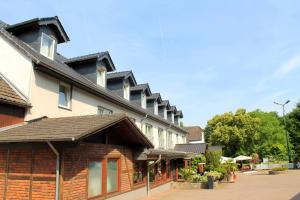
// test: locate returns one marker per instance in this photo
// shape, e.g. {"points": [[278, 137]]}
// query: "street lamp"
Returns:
{"points": [[286, 133]]}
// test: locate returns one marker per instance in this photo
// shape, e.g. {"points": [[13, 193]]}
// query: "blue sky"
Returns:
{"points": [[206, 57]]}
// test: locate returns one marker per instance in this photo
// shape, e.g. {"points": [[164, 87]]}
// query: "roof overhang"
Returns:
{"points": [[53, 22], [153, 154], [96, 57], [73, 129], [141, 88]]}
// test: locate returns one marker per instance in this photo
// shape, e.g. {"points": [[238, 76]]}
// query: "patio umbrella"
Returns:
{"points": [[241, 158]]}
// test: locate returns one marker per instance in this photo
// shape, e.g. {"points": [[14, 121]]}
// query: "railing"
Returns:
{"points": [[271, 166]]}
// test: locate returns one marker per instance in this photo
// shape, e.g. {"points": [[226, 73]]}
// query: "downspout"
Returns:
{"points": [[57, 170], [148, 174]]}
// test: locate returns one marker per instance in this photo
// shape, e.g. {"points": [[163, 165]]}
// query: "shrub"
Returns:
{"points": [[208, 168], [213, 158], [186, 173], [198, 159], [223, 171], [197, 178], [279, 169], [216, 175]]}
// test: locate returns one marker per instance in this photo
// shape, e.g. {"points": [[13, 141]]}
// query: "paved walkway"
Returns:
{"points": [[258, 186]]}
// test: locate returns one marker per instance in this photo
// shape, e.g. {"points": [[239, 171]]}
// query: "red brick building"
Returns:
{"points": [[77, 157]]}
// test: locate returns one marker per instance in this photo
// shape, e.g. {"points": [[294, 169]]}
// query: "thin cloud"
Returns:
{"points": [[287, 67], [280, 73]]}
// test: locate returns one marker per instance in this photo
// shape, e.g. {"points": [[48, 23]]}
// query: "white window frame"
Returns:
{"points": [[155, 107], [161, 139], [52, 48], [143, 100], [101, 77], [69, 95], [149, 131], [127, 91], [169, 139]]}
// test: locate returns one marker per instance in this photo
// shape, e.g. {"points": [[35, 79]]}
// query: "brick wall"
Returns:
{"points": [[30, 173], [10, 115], [75, 173]]}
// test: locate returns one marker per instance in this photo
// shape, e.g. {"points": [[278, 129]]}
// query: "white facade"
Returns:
{"points": [[42, 91]]}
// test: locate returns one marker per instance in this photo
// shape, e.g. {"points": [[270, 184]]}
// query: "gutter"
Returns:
{"points": [[148, 173], [106, 95], [57, 170]]}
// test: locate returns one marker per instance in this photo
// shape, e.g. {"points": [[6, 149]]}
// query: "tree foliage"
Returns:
{"points": [[245, 133], [236, 132], [293, 127], [271, 136]]}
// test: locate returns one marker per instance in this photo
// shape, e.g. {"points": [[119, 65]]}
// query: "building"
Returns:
{"points": [[77, 108], [195, 135]]}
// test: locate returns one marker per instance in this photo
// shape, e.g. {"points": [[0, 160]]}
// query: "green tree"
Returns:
{"points": [[293, 127], [236, 132], [271, 135]]}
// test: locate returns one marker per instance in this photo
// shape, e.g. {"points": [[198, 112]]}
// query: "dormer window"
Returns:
{"points": [[155, 108], [165, 114], [101, 77], [127, 91], [144, 100], [47, 46]]}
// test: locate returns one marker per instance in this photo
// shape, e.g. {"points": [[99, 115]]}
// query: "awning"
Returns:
{"points": [[153, 154]]}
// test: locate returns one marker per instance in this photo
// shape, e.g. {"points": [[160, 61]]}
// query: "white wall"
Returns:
{"points": [[44, 98], [43, 90], [16, 67]]}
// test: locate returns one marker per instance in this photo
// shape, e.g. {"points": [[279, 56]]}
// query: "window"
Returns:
{"points": [[47, 46], [169, 140], [138, 174], [101, 77], [143, 100], [127, 91], [177, 139], [64, 95], [161, 138], [155, 107], [104, 111], [95, 178], [149, 132], [112, 175], [165, 113]]}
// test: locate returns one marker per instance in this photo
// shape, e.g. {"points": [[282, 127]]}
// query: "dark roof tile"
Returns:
{"points": [[194, 148], [67, 129]]}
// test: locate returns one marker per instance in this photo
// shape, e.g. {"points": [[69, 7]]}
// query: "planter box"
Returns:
{"points": [[192, 186], [271, 172]]}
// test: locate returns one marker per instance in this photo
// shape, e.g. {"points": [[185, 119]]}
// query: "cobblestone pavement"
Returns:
{"points": [[257, 186]]}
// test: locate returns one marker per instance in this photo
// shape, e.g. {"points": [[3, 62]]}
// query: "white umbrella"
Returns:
{"points": [[225, 159], [241, 158]]}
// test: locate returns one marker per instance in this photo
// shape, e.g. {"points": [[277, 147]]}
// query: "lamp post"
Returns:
{"points": [[286, 133]]}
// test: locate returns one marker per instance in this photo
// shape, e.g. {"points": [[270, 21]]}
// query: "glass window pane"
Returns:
{"points": [[95, 179], [47, 46], [62, 95], [112, 175]]}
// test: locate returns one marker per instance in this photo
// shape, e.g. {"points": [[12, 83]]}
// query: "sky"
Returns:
{"points": [[206, 57]]}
